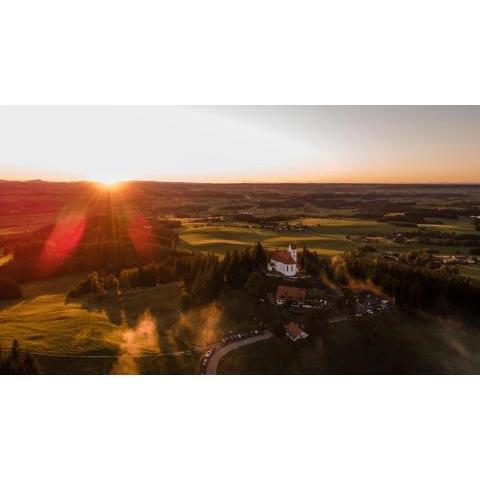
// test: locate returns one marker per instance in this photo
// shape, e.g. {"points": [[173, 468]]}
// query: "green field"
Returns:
{"points": [[459, 225], [88, 335], [326, 236], [43, 321]]}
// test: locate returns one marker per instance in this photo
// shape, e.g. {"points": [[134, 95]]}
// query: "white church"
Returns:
{"points": [[284, 261]]}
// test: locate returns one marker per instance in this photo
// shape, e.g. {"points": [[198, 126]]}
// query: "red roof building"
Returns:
{"points": [[284, 257], [284, 261], [294, 332], [290, 294]]}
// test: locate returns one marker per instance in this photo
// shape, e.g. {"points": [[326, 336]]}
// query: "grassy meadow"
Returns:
{"points": [[44, 321], [91, 335], [326, 236]]}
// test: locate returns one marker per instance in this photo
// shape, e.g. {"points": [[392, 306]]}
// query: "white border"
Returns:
{"points": [[240, 427], [148, 52], [250, 52]]}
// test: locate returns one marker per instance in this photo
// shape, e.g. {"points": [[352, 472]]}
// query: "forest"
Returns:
{"points": [[418, 288]]}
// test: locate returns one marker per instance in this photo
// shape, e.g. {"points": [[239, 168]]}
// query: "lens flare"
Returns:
{"points": [[61, 242], [141, 234]]}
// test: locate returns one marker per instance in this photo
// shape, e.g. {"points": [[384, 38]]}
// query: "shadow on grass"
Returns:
{"points": [[5, 304], [127, 309], [75, 366]]}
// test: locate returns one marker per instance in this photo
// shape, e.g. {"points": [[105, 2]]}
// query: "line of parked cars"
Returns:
{"points": [[206, 358], [229, 337]]}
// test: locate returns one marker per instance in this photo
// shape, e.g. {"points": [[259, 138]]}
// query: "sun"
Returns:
{"points": [[107, 182]]}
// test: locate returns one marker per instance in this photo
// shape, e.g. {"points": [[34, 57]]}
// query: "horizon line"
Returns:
{"points": [[245, 182]]}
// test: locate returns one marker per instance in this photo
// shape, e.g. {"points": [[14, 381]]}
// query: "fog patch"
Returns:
{"points": [[341, 271], [200, 324], [134, 342]]}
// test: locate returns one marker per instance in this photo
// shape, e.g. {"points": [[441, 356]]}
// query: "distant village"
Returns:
{"points": [[436, 261]]}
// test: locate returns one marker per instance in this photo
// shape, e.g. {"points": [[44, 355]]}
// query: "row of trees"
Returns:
{"points": [[313, 264], [420, 288], [139, 277], [205, 275], [202, 275], [17, 362], [94, 283]]}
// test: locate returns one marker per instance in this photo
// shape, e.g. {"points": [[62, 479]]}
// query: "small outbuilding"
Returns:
{"points": [[294, 332]]}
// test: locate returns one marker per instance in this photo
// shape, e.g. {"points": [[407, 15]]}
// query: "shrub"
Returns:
{"points": [[17, 362], [91, 284]]}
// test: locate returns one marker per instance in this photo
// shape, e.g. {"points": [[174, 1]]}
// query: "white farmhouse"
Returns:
{"points": [[284, 261]]}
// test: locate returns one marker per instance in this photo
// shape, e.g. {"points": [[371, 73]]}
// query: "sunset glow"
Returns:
{"points": [[108, 183], [242, 144]]}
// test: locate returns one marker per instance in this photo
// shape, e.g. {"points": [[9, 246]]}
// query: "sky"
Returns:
{"points": [[393, 144]]}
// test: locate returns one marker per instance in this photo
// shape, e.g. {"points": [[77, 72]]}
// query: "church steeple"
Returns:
{"points": [[292, 250]]}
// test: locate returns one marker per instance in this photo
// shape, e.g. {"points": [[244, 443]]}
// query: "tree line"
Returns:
{"points": [[17, 361], [416, 287], [203, 276]]}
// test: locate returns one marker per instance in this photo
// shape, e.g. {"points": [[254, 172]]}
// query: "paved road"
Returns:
{"points": [[220, 353], [339, 318]]}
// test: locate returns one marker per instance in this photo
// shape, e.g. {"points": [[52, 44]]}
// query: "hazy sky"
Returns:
{"points": [[357, 144]]}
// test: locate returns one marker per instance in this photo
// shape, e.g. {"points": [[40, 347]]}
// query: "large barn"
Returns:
{"points": [[284, 261]]}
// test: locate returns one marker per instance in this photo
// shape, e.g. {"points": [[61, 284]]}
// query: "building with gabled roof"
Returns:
{"points": [[294, 332], [284, 261], [290, 294]]}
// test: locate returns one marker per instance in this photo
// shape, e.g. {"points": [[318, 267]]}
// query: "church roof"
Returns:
{"points": [[283, 257]]}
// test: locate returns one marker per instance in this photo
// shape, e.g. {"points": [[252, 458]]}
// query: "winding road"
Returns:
{"points": [[220, 353]]}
